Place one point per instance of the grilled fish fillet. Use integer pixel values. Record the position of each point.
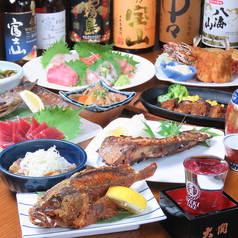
(80, 200)
(128, 150)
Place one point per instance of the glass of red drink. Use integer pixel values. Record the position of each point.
(205, 176)
(231, 150)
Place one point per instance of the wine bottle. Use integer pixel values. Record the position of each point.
(134, 25)
(50, 23)
(20, 30)
(2, 41)
(88, 21)
(179, 21)
(220, 21)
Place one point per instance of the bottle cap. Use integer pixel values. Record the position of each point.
(234, 98)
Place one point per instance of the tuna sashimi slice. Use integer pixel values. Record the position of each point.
(34, 125)
(6, 135)
(14, 125)
(22, 129)
(50, 133)
(32, 134)
(63, 75)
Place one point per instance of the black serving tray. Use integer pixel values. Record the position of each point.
(149, 99)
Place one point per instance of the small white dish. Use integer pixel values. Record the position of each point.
(12, 81)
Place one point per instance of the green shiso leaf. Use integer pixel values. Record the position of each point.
(86, 49)
(65, 120)
(120, 56)
(80, 68)
(59, 47)
(102, 60)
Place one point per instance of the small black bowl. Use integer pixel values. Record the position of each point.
(19, 183)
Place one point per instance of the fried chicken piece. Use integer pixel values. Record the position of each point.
(212, 66)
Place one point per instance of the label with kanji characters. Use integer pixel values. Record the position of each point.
(134, 23)
(20, 36)
(89, 20)
(220, 20)
(179, 20)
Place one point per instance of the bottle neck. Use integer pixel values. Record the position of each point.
(49, 6)
(19, 6)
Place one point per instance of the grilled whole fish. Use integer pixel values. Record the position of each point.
(80, 200)
(10, 100)
(128, 150)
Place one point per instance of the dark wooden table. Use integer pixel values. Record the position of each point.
(9, 221)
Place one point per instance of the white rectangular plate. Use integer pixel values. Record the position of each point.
(152, 213)
(170, 168)
(89, 130)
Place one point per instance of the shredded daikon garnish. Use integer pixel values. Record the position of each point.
(44, 163)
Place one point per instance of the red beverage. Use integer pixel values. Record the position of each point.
(205, 176)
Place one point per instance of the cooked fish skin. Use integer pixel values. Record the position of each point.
(128, 150)
(80, 200)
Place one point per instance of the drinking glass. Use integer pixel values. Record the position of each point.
(231, 150)
(205, 176)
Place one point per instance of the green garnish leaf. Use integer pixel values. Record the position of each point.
(118, 55)
(65, 120)
(59, 47)
(80, 68)
(148, 129)
(40, 193)
(120, 216)
(94, 66)
(169, 128)
(86, 49)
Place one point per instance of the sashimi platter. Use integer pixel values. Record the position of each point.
(63, 69)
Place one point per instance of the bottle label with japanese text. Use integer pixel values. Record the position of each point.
(20, 36)
(134, 24)
(50, 28)
(89, 20)
(179, 20)
(220, 20)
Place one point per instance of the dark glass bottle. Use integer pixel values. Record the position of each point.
(20, 30)
(220, 22)
(50, 22)
(134, 24)
(2, 40)
(89, 21)
(179, 21)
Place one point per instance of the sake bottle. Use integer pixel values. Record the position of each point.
(20, 30)
(2, 40)
(134, 24)
(220, 22)
(50, 23)
(179, 21)
(88, 21)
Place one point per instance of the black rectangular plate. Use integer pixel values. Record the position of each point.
(149, 99)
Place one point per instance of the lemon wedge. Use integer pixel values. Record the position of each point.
(127, 198)
(116, 132)
(32, 100)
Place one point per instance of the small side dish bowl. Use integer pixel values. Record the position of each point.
(97, 113)
(169, 70)
(20, 183)
(10, 82)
